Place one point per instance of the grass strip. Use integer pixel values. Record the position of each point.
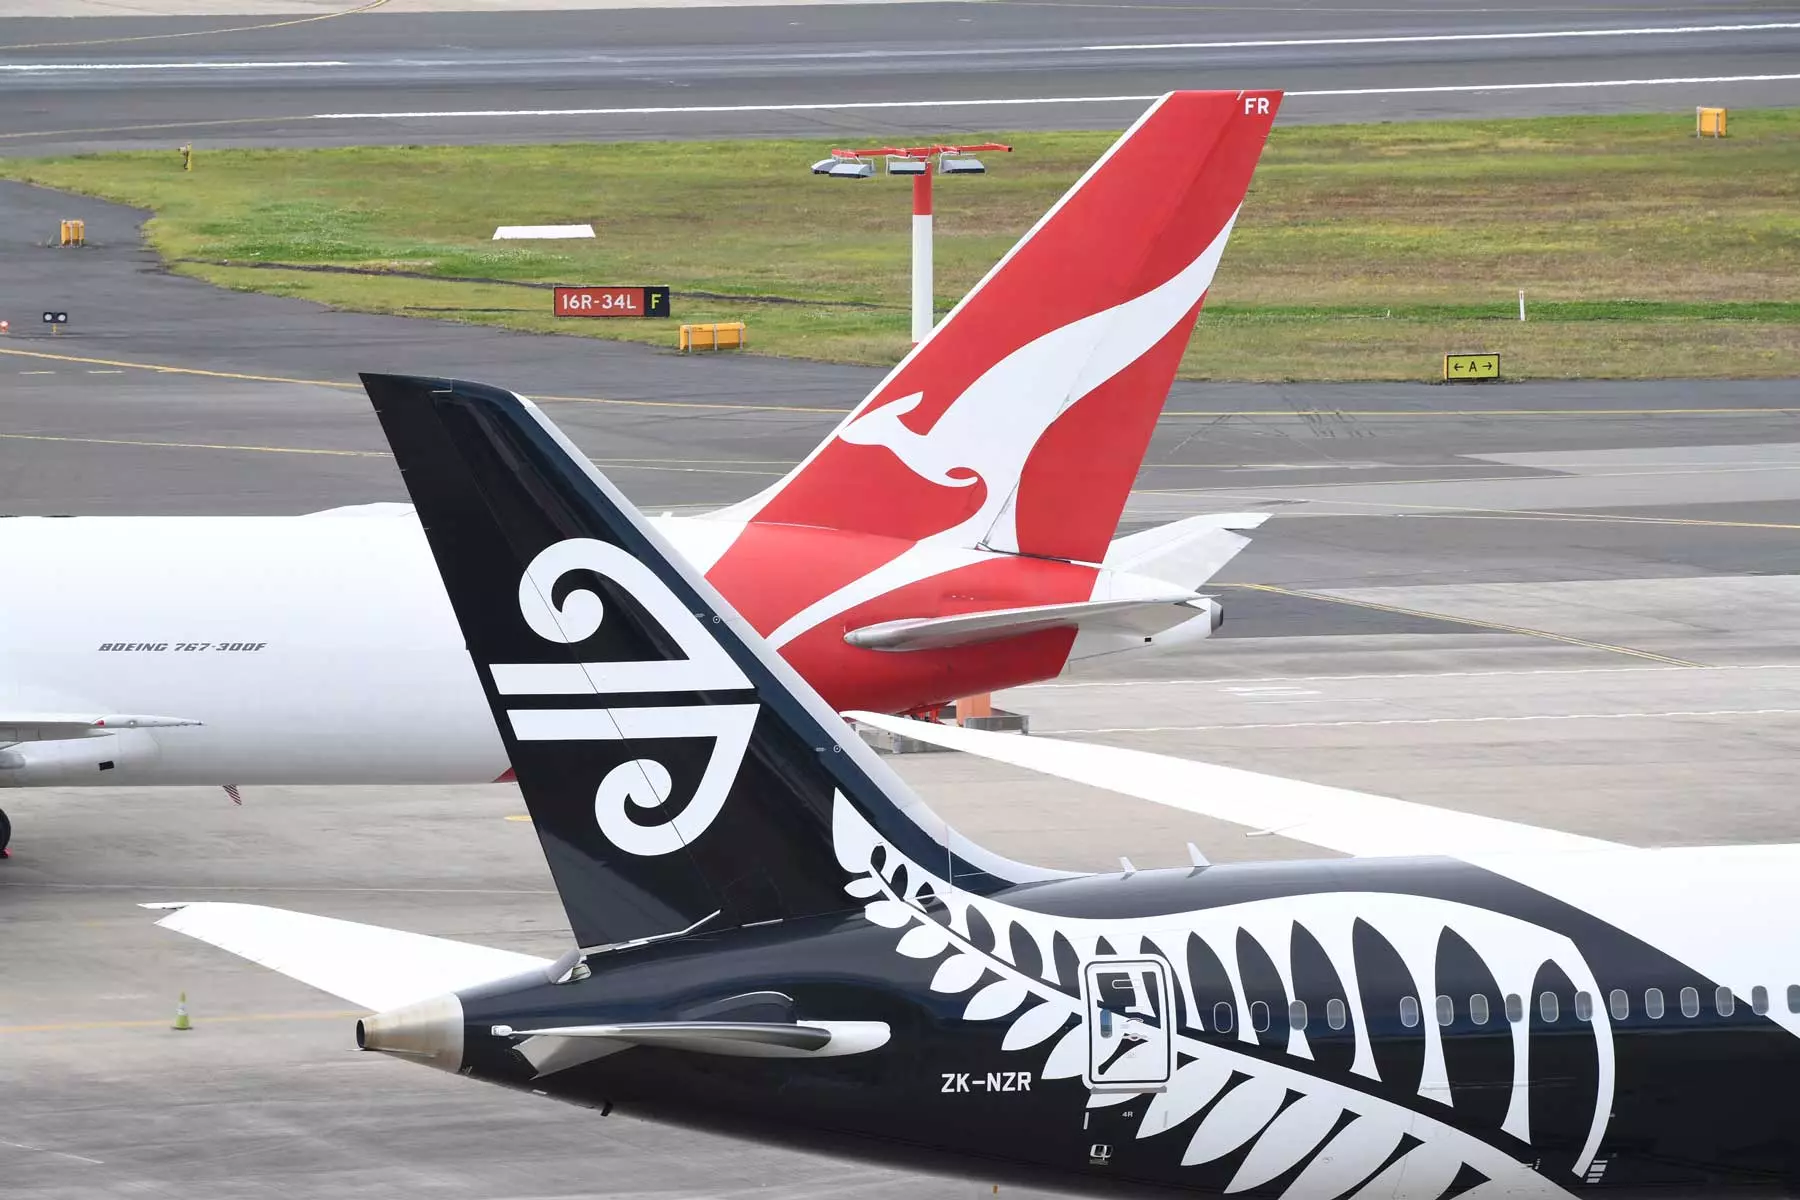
(1363, 252)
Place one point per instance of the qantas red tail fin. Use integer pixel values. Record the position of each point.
(1020, 422)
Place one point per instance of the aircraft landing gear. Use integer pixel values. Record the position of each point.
(5, 833)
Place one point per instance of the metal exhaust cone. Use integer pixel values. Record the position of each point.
(429, 1032)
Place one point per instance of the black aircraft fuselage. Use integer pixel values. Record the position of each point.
(774, 937)
(1681, 1112)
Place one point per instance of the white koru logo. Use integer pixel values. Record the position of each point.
(639, 783)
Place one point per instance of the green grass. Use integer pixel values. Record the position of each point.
(1363, 252)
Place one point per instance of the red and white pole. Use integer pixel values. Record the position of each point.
(921, 256)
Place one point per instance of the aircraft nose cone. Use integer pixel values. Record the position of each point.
(430, 1032)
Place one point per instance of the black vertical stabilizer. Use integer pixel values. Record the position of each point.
(678, 772)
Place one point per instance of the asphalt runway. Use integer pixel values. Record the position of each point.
(1573, 604)
(859, 70)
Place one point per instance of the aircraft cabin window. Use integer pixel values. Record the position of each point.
(1620, 1003)
(1515, 1008)
(1653, 1003)
(1446, 1010)
(1794, 997)
(1724, 1001)
(1690, 1002)
(1548, 1008)
(1221, 1017)
(1759, 999)
(1297, 1015)
(1335, 1016)
(1478, 1009)
(1584, 1007)
(1409, 1011)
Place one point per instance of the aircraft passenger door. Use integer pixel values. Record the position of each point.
(1130, 1006)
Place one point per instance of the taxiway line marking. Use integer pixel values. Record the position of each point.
(1527, 515)
(1416, 38)
(240, 1018)
(165, 369)
(1496, 626)
(87, 441)
(1483, 412)
(1565, 471)
(838, 413)
(1287, 679)
(1451, 511)
(58, 1153)
(231, 887)
(201, 372)
(56, 68)
(619, 465)
(1624, 716)
(1426, 720)
(869, 105)
(190, 33)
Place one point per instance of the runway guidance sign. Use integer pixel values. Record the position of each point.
(586, 301)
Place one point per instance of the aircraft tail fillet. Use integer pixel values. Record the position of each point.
(680, 775)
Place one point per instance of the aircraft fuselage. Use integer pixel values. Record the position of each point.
(1323, 1038)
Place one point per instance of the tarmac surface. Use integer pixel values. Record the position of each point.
(1574, 604)
(858, 70)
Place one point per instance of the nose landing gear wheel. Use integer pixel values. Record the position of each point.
(5, 833)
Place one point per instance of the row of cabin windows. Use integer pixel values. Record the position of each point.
(1618, 1003)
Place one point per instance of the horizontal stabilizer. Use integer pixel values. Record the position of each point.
(936, 633)
(376, 968)
(1189, 551)
(56, 727)
(1348, 822)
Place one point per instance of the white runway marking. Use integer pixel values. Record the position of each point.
(967, 51)
(871, 105)
(1628, 716)
(1403, 39)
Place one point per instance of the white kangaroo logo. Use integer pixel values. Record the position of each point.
(992, 428)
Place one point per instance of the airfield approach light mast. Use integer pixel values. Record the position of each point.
(915, 161)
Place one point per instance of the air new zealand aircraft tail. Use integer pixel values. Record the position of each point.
(679, 774)
(1362, 1028)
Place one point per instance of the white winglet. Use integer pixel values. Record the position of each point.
(1337, 819)
(367, 965)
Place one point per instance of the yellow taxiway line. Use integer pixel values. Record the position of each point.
(1474, 622)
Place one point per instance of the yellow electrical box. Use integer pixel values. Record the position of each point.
(724, 335)
(1459, 367)
(1709, 122)
(74, 233)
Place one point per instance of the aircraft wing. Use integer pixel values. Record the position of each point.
(373, 967)
(56, 727)
(1355, 823)
(959, 629)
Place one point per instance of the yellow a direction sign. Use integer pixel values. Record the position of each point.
(1471, 366)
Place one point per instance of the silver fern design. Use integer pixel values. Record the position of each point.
(1232, 1091)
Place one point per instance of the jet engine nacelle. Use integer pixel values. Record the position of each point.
(77, 761)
